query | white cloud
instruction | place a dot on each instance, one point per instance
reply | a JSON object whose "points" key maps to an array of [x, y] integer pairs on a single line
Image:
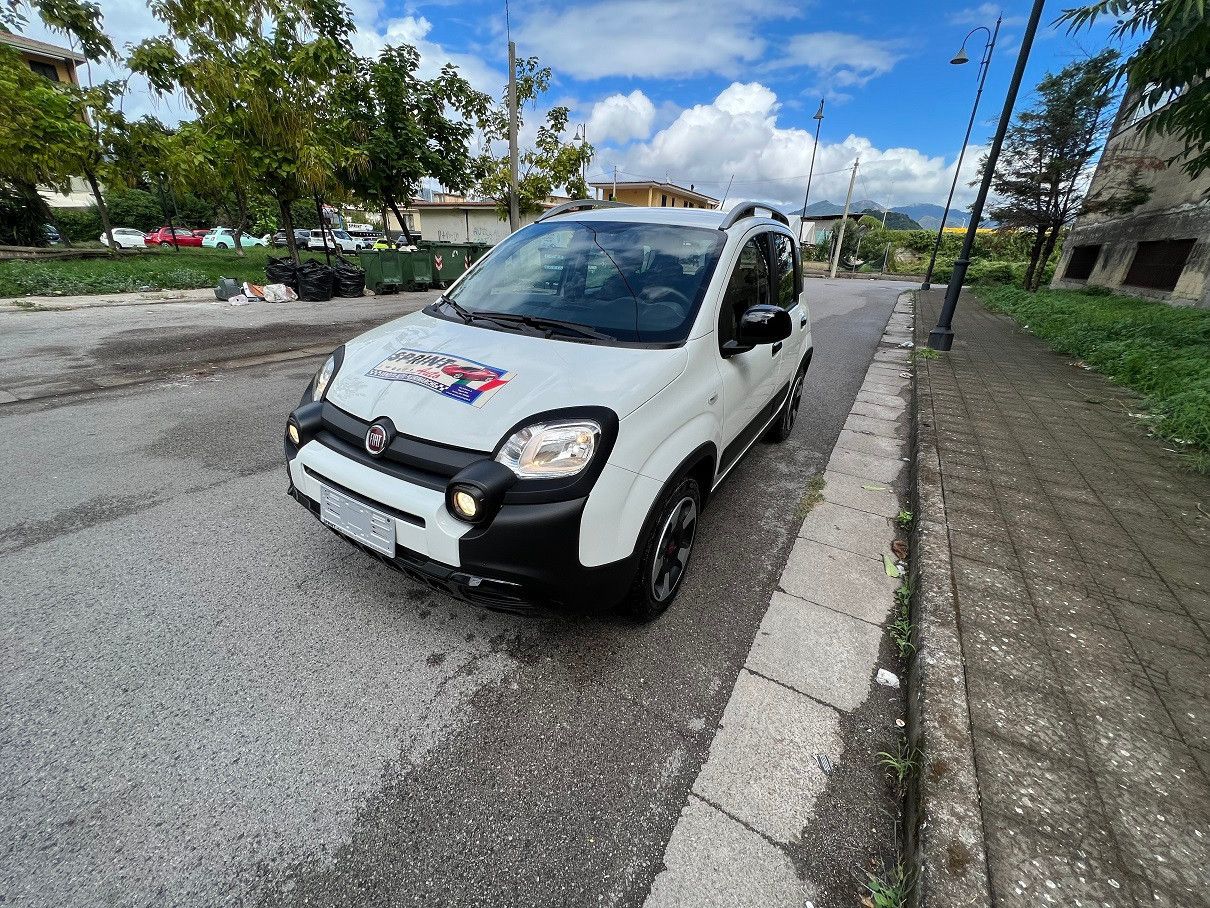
{"points": [[620, 118], [737, 133], [374, 33], [640, 38], [983, 14], [840, 60]]}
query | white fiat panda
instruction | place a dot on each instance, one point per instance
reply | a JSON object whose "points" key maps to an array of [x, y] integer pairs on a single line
{"points": [[551, 427]]}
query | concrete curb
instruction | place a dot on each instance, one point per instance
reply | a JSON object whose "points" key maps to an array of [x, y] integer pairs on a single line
{"points": [[740, 837], [944, 835], [92, 301]]}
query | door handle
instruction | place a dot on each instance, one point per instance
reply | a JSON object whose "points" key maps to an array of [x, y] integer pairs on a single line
{"points": [[802, 322], [776, 348]]}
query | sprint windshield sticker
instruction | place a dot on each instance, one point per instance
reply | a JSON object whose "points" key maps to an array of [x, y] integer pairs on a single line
{"points": [[451, 376]]}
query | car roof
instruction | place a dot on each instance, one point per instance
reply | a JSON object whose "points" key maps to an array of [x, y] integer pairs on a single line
{"points": [[684, 217]]}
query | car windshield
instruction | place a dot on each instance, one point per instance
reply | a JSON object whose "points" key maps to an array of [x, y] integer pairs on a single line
{"points": [[629, 281]]}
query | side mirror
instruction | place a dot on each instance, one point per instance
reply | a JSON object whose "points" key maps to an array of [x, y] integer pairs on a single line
{"points": [[761, 324]]}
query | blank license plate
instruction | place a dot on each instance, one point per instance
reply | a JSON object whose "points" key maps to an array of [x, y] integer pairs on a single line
{"points": [[367, 525]]}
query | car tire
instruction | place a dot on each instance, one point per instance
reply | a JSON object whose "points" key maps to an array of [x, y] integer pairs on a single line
{"points": [[666, 546], [788, 415]]}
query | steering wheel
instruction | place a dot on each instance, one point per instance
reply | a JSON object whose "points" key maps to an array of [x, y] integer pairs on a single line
{"points": [[668, 298]]}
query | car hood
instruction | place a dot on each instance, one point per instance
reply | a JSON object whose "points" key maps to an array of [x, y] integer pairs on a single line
{"points": [[466, 385]]}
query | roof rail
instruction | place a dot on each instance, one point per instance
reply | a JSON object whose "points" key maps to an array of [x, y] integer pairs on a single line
{"points": [[748, 210], [579, 205]]}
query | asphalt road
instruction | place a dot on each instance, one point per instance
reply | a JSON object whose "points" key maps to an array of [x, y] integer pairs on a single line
{"points": [[208, 699]]}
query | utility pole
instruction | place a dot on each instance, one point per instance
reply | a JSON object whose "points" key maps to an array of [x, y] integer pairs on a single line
{"points": [[844, 219], [514, 215], [613, 196], [942, 336]]}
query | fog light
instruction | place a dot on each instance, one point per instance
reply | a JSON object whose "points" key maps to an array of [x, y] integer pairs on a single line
{"points": [[466, 505], [292, 431]]}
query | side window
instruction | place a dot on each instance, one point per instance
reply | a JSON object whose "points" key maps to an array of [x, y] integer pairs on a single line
{"points": [[789, 271], [749, 286]]}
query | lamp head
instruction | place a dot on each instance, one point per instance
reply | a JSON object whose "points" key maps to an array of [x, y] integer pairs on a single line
{"points": [[819, 113], [960, 57]]}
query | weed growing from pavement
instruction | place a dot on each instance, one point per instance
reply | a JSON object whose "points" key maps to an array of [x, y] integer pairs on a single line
{"points": [[1163, 352], [900, 764], [901, 633], [812, 495], [904, 518], [925, 353], [889, 889]]}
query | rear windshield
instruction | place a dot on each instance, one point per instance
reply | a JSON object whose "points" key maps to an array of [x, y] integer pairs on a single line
{"points": [[633, 282]]}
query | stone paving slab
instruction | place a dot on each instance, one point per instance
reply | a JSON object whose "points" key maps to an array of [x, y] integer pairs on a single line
{"points": [[862, 494], [767, 736], [798, 637], [714, 859], [1078, 561]]}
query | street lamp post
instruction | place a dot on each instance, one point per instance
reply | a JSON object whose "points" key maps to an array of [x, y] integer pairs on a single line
{"points": [[984, 66], [818, 118], [942, 336]]}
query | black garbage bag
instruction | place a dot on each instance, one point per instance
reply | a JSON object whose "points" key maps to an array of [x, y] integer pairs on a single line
{"points": [[347, 278], [281, 271], [314, 281]]}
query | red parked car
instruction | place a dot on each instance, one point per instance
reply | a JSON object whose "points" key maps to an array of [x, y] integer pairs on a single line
{"points": [[163, 237]]}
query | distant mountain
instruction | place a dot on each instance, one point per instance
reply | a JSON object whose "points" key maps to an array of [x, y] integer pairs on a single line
{"points": [[895, 220], [928, 216], [824, 207], [925, 215]]}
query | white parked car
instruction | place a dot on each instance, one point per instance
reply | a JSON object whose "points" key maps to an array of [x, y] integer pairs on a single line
{"points": [[126, 238], [337, 239], [551, 428], [224, 238]]}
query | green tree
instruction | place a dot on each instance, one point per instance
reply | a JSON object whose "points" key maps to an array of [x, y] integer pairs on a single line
{"points": [[265, 75], [1043, 167], [403, 131], [551, 162], [51, 132], [1167, 71]]}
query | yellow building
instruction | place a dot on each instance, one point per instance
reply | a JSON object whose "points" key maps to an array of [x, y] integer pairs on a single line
{"points": [[59, 65], [55, 63], [650, 194]]}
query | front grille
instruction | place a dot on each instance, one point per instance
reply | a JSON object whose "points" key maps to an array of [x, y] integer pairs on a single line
{"points": [[419, 461]]}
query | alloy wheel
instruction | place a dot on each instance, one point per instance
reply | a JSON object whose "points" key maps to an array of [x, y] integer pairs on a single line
{"points": [[673, 549]]}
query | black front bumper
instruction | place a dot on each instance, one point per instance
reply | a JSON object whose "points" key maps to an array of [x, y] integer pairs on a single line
{"points": [[527, 556]]}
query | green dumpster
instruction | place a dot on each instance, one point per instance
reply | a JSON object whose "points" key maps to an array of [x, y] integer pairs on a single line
{"points": [[418, 269], [449, 261], [371, 264], [384, 269]]}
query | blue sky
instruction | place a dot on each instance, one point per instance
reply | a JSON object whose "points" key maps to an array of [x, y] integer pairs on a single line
{"points": [[698, 90]]}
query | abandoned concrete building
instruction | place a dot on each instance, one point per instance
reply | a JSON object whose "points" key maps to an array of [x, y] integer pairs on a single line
{"points": [[1145, 227]]}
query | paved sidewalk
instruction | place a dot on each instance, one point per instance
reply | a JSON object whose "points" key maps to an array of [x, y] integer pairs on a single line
{"points": [[766, 825], [92, 300], [1081, 571]]}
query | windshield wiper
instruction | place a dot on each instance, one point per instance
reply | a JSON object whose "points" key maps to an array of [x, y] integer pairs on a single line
{"points": [[547, 324], [469, 316], [463, 314]]}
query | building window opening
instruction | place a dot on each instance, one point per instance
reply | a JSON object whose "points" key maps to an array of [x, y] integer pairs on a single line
{"points": [[1158, 265], [46, 70], [1083, 260]]}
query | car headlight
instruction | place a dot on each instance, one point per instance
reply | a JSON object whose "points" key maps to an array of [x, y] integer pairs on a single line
{"points": [[548, 450], [323, 378]]}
